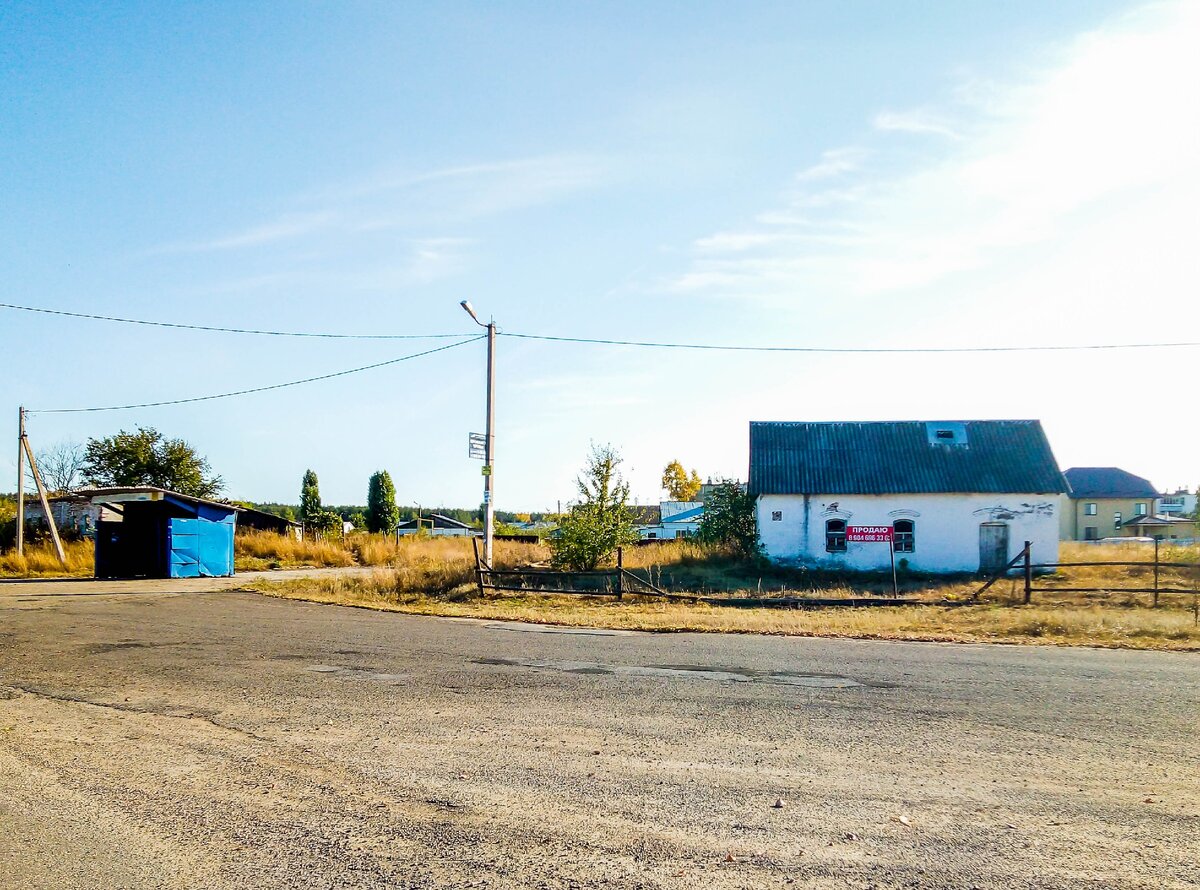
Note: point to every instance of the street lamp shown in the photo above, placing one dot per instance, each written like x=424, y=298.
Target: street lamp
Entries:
x=489, y=448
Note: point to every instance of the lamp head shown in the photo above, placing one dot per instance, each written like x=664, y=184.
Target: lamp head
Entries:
x=466, y=304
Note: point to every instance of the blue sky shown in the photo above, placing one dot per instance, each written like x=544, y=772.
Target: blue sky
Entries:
x=837, y=174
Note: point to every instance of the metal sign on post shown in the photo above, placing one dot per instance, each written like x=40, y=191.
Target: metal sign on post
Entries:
x=876, y=534
x=477, y=446
x=485, y=470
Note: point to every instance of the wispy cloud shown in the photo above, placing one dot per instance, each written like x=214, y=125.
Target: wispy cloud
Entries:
x=833, y=163
x=284, y=227
x=391, y=200
x=1065, y=155
x=916, y=121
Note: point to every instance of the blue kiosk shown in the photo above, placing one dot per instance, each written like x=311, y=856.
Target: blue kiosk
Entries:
x=147, y=532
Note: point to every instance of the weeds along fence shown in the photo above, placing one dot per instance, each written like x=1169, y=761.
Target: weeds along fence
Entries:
x=615, y=582
x=1165, y=576
x=618, y=582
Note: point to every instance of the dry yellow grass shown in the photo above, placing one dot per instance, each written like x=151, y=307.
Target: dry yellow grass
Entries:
x=262, y=550
x=1064, y=623
x=40, y=561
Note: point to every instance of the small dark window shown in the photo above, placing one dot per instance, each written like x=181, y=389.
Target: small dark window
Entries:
x=1089, y=509
x=835, y=536
x=776, y=515
x=1117, y=518
x=945, y=435
x=903, y=535
x=1091, y=533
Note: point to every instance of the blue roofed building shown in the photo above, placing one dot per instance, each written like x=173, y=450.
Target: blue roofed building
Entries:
x=953, y=496
x=677, y=519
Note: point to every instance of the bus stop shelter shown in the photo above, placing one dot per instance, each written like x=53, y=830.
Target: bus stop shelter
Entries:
x=146, y=532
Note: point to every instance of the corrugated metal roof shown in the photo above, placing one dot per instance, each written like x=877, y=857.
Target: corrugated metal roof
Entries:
x=1107, y=482
x=897, y=457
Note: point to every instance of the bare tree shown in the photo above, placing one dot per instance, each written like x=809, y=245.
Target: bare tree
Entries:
x=62, y=466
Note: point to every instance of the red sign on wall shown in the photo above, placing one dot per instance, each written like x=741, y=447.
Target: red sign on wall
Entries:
x=869, y=534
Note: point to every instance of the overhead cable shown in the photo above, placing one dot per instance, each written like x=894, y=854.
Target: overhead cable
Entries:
x=716, y=347
x=212, y=329
x=246, y=392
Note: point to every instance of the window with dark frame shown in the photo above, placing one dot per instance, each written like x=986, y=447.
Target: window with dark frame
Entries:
x=776, y=515
x=904, y=535
x=1091, y=533
x=835, y=536
x=1089, y=509
x=1117, y=518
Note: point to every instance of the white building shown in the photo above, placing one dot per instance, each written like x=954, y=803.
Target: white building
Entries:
x=959, y=496
x=678, y=519
x=437, y=525
x=1181, y=503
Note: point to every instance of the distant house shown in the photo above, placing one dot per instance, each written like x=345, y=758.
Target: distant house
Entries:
x=677, y=519
x=1103, y=501
x=1181, y=502
x=435, y=524
x=958, y=496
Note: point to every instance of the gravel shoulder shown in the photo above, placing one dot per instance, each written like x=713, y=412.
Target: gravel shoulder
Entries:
x=232, y=740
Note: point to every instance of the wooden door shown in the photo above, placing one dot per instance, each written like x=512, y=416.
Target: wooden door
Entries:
x=993, y=546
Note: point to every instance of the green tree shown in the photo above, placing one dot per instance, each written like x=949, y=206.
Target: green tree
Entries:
x=601, y=522
x=310, y=497
x=730, y=520
x=679, y=485
x=147, y=457
x=382, y=512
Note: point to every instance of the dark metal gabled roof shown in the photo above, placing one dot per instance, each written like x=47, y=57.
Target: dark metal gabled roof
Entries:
x=902, y=457
x=1107, y=482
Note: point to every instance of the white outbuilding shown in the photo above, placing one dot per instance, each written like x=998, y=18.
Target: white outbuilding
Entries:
x=955, y=496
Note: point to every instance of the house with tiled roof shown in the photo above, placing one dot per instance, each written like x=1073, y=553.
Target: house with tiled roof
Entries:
x=1108, y=502
x=948, y=496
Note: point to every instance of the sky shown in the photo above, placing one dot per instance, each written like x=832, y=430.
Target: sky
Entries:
x=824, y=174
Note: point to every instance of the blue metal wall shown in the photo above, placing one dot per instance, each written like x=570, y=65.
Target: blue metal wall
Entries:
x=200, y=547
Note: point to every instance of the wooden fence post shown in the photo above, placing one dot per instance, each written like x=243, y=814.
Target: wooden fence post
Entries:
x=1028, y=572
x=478, y=564
x=1156, y=573
x=620, y=573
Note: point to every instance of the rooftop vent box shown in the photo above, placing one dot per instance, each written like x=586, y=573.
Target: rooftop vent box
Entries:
x=946, y=433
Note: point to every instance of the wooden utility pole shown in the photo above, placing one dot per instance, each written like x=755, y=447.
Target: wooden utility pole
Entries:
x=44, y=497
x=20, y=481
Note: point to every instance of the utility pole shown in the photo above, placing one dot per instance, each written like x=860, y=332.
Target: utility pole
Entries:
x=20, y=481
x=489, y=448
x=25, y=450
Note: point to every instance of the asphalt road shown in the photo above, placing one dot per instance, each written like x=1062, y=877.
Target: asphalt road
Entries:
x=234, y=740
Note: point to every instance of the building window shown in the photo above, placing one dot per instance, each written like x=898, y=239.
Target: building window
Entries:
x=1139, y=509
x=650, y=536
x=903, y=535
x=1089, y=509
x=1091, y=533
x=776, y=515
x=1117, y=519
x=835, y=536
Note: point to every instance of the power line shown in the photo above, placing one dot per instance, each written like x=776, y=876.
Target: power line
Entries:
x=212, y=329
x=245, y=392
x=716, y=347
x=848, y=349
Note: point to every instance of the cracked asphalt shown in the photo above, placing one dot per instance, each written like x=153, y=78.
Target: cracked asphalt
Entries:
x=167, y=739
